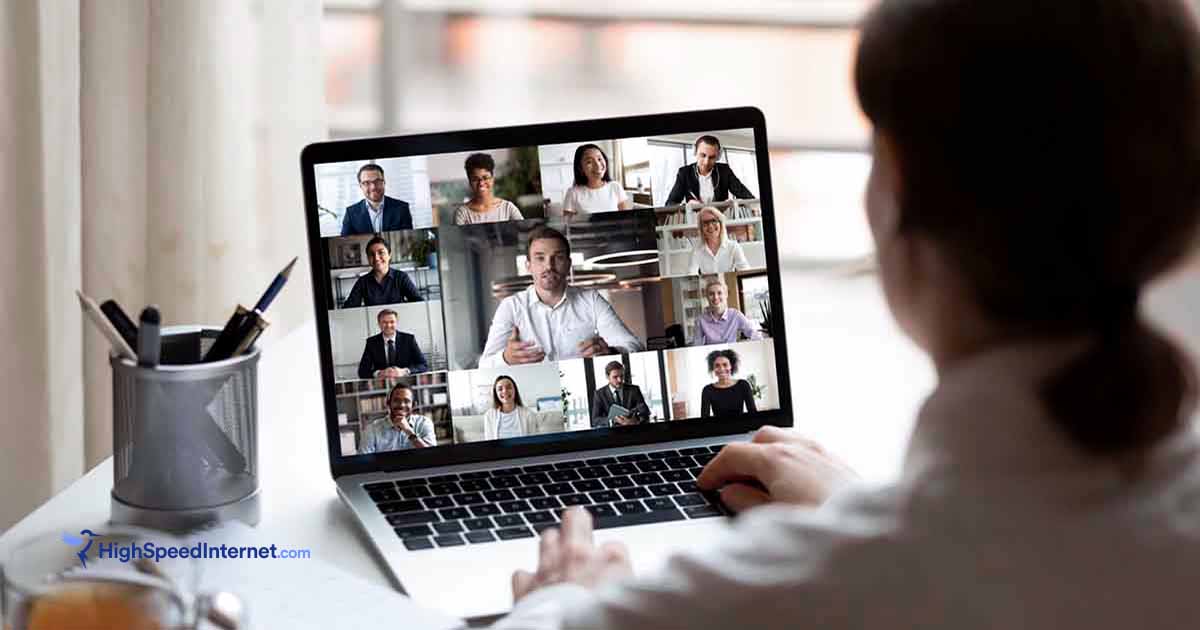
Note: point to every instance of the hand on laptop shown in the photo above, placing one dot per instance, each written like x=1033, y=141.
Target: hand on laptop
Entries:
x=776, y=465
x=570, y=555
x=518, y=352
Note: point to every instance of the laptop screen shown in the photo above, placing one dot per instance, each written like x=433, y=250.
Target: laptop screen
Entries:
x=524, y=294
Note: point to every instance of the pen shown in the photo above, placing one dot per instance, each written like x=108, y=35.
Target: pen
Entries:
x=281, y=279
x=119, y=344
x=116, y=315
x=149, y=341
x=240, y=324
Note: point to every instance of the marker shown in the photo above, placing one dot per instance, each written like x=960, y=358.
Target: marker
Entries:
x=149, y=341
x=123, y=349
x=120, y=321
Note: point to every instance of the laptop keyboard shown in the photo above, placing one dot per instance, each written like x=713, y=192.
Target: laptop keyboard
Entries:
x=519, y=502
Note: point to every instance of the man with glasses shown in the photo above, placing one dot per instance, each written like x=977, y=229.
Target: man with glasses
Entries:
x=376, y=212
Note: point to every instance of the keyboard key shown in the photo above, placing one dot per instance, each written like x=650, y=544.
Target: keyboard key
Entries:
x=617, y=482
x=593, y=472
x=537, y=468
x=436, y=503
x=413, y=531
x=479, y=474
x=717, y=448
x=588, y=485
x=528, y=492
x=634, y=493
x=382, y=485
x=689, y=500
x=564, y=475
x=538, y=518
x=485, y=510
x=688, y=486
x=499, y=495
x=514, y=533
x=664, y=490
x=634, y=457
x=509, y=520
x=443, y=478
x=514, y=506
x=660, y=504
x=704, y=459
x=559, y=488
x=575, y=499
x=534, y=479
x=444, y=488
x=629, y=507
x=475, y=524
x=481, y=537
x=652, y=465
x=696, y=471
x=663, y=454
x=697, y=450
x=569, y=465
x=676, y=475
x=393, y=507
x=681, y=462
x=448, y=528
x=601, y=461
x=382, y=496
x=412, y=518
x=471, y=498
x=605, y=496
x=474, y=485
x=647, y=479
x=702, y=511
x=449, y=540
x=541, y=527
x=622, y=469
x=600, y=511
x=506, y=472
x=637, y=518
x=415, y=492
x=454, y=513
x=545, y=503
x=417, y=544
x=418, y=481
x=506, y=482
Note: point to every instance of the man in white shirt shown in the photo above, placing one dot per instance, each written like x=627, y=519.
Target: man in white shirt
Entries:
x=551, y=321
x=706, y=180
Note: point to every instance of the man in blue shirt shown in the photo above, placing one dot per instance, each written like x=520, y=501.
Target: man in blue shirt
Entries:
x=382, y=284
x=376, y=212
x=402, y=429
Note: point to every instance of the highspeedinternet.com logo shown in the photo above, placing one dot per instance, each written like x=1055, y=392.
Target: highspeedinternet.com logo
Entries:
x=128, y=551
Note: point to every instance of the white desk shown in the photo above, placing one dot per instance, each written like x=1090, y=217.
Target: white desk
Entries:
x=853, y=375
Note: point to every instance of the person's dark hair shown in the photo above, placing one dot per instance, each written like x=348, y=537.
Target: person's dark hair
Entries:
x=377, y=240
x=711, y=141
x=613, y=365
x=386, y=311
x=1058, y=169
x=398, y=386
x=728, y=354
x=516, y=391
x=580, y=178
x=542, y=231
x=369, y=167
x=479, y=160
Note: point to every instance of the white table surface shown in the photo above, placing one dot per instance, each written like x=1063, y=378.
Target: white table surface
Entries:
x=856, y=383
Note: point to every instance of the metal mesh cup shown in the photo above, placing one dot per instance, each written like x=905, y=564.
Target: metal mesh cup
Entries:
x=185, y=443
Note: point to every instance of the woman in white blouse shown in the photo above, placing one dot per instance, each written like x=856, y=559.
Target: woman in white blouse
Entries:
x=715, y=251
x=484, y=206
x=1035, y=167
x=593, y=189
x=508, y=417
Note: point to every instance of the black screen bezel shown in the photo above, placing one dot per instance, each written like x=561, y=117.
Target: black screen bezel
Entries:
x=533, y=135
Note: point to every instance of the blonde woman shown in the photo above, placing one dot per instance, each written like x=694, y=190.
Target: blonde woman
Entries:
x=715, y=252
x=508, y=417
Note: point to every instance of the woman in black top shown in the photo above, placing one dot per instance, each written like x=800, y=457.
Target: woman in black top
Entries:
x=726, y=397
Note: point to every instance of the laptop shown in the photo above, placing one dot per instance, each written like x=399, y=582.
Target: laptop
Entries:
x=517, y=320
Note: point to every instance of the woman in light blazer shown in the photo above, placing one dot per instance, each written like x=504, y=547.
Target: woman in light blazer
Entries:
x=508, y=417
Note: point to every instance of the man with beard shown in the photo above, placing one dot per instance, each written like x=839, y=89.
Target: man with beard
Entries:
x=402, y=429
x=376, y=212
x=551, y=321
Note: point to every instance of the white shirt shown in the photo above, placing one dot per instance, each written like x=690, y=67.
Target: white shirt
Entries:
x=557, y=329
x=508, y=424
x=706, y=186
x=603, y=199
x=376, y=214
x=729, y=257
x=996, y=523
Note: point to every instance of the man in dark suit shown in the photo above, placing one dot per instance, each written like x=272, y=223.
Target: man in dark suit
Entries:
x=616, y=392
x=706, y=180
x=391, y=353
x=376, y=212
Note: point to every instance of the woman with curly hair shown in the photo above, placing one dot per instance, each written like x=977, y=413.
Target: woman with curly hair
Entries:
x=726, y=397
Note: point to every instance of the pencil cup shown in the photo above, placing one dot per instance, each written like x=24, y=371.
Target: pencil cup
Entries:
x=185, y=435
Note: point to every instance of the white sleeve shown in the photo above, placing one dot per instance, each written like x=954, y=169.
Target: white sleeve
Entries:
x=619, y=191
x=460, y=215
x=427, y=433
x=569, y=200
x=502, y=325
x=611, y=327
x=739, y=257
x=694, y=260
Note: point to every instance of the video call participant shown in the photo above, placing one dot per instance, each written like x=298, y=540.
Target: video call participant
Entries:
x=616, y=392
x=382, y=284
x=508, y=417
x=391, y=353
x=715, y=251
x=720, y=324
x=550, y=321
x=726, y=397
x=483, y=207
x=376, y=212
x=402, y=429
x=706, y=180
x=593, y=189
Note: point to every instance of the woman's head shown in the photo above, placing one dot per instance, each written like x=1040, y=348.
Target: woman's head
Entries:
x=590, y=164
x=712, y=225
x=505, y=392
x=481, y=174
x=1050, y=171
x=722, y=364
